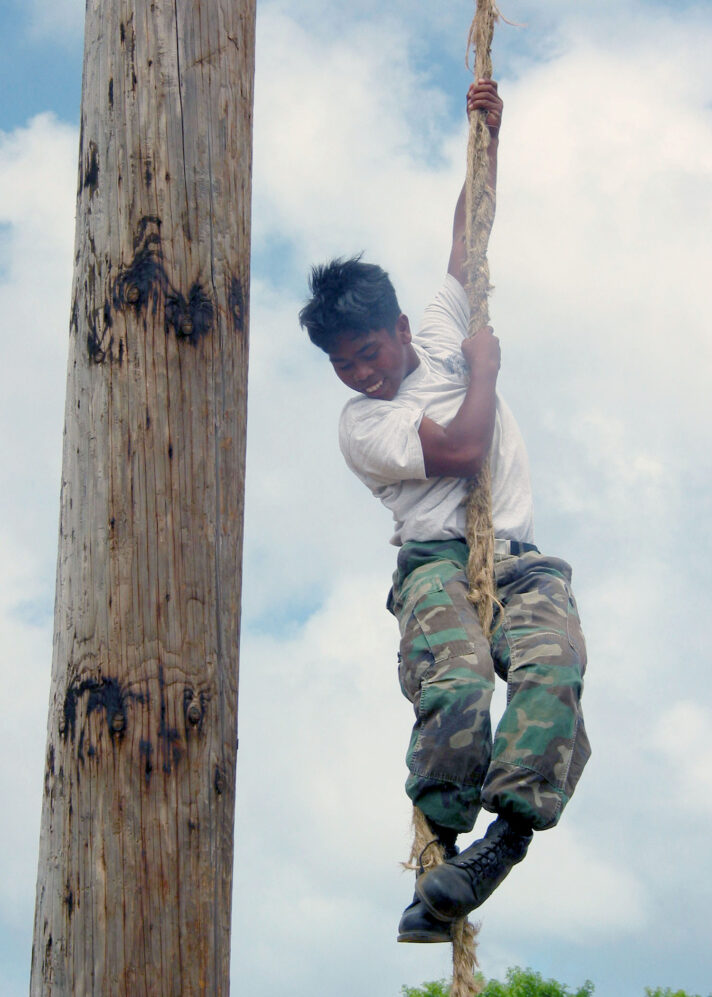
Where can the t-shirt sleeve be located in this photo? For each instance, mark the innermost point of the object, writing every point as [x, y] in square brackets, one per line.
[445, 320]
[380, 442]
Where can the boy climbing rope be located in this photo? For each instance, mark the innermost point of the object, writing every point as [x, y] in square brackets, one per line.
[427, 419]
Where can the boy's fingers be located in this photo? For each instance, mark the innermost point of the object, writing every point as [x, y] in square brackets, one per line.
[483, 96]
[485, 105]
[488, 108]
[484, 86]
[491, 96]
[488, 100]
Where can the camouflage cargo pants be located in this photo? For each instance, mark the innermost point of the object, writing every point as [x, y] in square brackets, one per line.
[447, 670]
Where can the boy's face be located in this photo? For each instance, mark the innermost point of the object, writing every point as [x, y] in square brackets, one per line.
[376, 362]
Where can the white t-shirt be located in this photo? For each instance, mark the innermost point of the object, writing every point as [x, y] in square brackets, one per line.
[380, 442]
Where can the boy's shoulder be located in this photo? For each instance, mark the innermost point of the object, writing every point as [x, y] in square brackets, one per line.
[379, 439]
[445, 321]
[373, 411]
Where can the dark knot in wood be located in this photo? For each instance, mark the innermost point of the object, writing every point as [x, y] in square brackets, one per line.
[194, 707]
[144, 281]
[118, 723]
[144, 276]
[191, 317]
[103, 694]
[89, 177]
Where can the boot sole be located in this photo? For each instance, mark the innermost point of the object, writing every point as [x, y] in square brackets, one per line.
[424, 938]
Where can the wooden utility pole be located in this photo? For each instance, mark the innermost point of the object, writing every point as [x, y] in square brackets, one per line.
[136, 850]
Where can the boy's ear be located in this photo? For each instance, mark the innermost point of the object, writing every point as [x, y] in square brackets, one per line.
[403, 329]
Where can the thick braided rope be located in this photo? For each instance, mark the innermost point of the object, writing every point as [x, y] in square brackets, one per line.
[479, 214]
[479, 209]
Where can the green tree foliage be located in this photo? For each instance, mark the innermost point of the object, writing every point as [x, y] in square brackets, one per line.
[527, 983]
[519, 983]
[667, 992]
[438, 988]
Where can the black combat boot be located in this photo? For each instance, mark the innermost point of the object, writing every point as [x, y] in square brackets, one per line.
[417, 924]
[451, 890]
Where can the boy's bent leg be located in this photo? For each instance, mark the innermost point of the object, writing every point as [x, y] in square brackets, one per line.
[446, 671]
[540, 747]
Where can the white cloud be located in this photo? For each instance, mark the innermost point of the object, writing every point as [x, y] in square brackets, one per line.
[343, 165]
[568, 890]
[601, 223]
[26, 669]
[37, 183]
[59, 20]
[339, 720]
[682, 738]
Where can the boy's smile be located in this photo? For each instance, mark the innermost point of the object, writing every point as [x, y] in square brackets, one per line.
[376, 362]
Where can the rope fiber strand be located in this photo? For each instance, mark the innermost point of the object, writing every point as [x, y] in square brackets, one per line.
[479, 212]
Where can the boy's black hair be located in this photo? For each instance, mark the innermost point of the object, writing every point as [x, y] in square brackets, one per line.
[348, 296]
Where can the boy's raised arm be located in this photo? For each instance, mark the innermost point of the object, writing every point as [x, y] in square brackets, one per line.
[481, 95]
[460, 449]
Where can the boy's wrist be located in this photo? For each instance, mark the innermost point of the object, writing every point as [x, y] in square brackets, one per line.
[483, 374]
[482, 386]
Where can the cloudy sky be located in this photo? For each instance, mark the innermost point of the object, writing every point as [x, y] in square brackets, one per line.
[599, 256]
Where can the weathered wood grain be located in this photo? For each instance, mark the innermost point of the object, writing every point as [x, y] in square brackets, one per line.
[135, 868]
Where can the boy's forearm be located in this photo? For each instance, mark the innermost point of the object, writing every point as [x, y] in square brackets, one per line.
[470, 432]
[458, 252]
[460, 449]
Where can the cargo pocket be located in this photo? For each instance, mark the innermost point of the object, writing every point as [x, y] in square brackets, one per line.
[416, 658]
